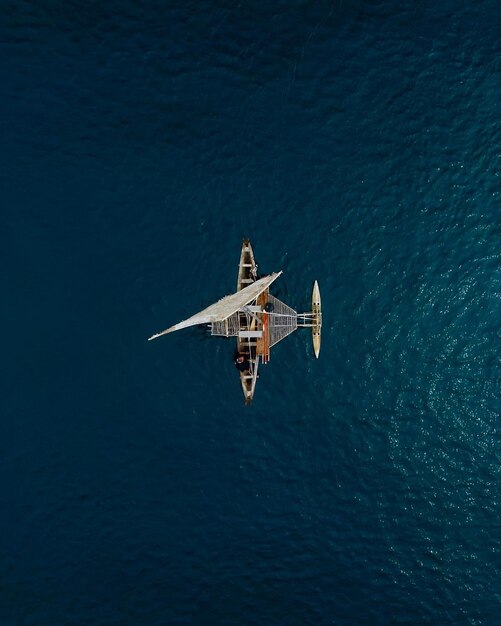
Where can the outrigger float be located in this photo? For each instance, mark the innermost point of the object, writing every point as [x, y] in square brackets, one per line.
[256, 318]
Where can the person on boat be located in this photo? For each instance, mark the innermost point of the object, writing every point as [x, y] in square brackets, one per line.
[241, 362]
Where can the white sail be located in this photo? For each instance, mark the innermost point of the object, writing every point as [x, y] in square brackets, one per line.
[225, 307]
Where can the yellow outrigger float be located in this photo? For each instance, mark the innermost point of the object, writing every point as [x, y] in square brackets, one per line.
[256, 318]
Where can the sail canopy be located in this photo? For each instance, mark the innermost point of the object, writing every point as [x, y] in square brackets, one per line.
[225, 307]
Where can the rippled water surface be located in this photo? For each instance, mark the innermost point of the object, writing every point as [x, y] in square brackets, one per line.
[357, 143]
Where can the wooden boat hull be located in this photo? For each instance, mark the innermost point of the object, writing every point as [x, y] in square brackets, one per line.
[247, 271]
[247, 267]
[316, 329]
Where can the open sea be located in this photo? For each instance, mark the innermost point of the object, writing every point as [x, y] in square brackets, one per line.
[354, 142]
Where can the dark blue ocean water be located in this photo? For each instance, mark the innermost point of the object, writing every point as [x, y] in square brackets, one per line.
[357, 143]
